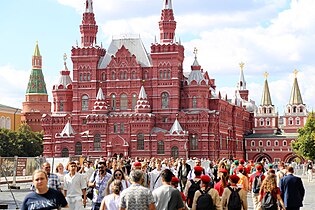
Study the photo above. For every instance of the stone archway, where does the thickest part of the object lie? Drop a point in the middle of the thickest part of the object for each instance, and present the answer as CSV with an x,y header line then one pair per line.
x,y
293,157
261,156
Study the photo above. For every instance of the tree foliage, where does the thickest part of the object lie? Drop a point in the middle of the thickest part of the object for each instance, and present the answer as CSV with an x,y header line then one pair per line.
x,y
305,143
23,143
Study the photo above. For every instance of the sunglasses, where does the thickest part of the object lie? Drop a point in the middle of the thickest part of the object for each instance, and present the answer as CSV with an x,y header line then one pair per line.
x,y
101,167
118,174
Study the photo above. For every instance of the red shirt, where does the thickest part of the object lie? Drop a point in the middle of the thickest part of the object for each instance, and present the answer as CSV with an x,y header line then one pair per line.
x,y
219,188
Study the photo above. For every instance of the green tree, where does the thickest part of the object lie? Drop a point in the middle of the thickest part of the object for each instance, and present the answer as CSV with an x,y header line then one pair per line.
x,y
305,143
23,143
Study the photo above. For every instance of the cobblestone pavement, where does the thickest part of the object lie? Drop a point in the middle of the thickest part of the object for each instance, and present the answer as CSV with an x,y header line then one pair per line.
x,y
7,198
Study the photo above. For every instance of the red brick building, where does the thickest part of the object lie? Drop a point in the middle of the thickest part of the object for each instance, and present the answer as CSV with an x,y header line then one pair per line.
x,y
128,102
273,134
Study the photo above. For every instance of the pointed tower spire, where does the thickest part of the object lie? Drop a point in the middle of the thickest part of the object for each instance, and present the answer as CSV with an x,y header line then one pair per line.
x,y
88,28
89,6
36,82
167,23
176,128
241,85
296,97
167,4
266,99
100,95
143,105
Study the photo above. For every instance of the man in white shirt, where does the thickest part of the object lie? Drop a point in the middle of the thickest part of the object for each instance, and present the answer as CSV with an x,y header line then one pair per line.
x,y
74,188
155,176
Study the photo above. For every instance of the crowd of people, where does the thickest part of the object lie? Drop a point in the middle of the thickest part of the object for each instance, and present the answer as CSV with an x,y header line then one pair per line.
x,y
166,184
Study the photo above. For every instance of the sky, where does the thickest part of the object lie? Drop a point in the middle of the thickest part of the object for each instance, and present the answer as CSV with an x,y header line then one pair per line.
x,y
274,36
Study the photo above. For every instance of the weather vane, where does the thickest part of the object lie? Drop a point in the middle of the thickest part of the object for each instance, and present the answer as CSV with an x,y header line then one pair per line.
x,y
195,52
295,72
242,65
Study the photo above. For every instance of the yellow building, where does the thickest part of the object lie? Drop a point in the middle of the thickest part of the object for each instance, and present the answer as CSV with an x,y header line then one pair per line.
x,y
10,117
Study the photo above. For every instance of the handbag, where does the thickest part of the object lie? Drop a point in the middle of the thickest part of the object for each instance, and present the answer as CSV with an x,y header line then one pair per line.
x,y
89,191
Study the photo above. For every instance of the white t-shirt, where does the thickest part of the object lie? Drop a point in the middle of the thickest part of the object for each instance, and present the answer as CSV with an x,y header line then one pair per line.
x,y
74,184
112,201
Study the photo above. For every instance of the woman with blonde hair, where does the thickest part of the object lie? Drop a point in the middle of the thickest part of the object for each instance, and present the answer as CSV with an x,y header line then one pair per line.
x,y
269,194
111,201
60,172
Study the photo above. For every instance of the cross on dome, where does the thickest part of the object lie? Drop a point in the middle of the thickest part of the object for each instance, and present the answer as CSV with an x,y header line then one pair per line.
x,y
195,52
242,65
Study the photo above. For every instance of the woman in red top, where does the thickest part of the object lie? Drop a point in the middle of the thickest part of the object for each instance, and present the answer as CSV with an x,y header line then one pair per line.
x,y
270,185
224,176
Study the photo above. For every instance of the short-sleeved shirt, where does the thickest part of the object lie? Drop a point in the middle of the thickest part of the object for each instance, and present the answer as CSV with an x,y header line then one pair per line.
x,y
136,197
74,185
167,197
99,189
54,181
52,199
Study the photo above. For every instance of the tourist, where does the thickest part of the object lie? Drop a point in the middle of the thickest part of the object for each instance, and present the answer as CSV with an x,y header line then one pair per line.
x,y
136,196
60,172
111,201
183,171
292,190
43,197
166,196
75,187
255,182
99,183
118,174
53,180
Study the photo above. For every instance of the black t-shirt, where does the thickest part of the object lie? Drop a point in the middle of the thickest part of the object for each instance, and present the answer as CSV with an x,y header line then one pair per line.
x,y
52,199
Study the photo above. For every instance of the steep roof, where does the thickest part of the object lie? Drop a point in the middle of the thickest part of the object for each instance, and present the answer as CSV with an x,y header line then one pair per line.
x,y
266,99
67,130
133,44
296,97
177,128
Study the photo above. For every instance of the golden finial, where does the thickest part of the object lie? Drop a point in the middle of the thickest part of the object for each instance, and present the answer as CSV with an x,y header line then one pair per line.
x,y
143,81
242,65
266,75
195,52
295,72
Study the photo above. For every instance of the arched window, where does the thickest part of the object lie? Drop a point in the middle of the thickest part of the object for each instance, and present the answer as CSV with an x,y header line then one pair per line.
x,y
175,152
193,142
297,121
114,102
134,75
113,75
276,143
194,102
165,76
284,143
80,77
88,77
85,103
268,122
78,148
140,141
84,77
65,152
123,102
121,75
134,101
145,75
268,143
8,123
103,76
261,121
260,143
294,109
2,122
61,105
161,74
252,143
122,128
165,100
97,142
125,75
290,121
160,149
115,128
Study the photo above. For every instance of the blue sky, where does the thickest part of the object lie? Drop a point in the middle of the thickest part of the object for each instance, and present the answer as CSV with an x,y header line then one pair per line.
x,y
267,35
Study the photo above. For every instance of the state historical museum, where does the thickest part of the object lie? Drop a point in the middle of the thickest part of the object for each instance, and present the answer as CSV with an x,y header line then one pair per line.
x,y
125,101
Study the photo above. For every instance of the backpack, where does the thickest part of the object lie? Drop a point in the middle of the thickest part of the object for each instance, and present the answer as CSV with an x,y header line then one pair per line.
x,y
269,202
204,201
191,192
235,202
257,183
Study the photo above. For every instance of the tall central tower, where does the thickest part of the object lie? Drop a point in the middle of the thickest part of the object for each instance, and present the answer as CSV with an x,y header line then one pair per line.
x,y
36,98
